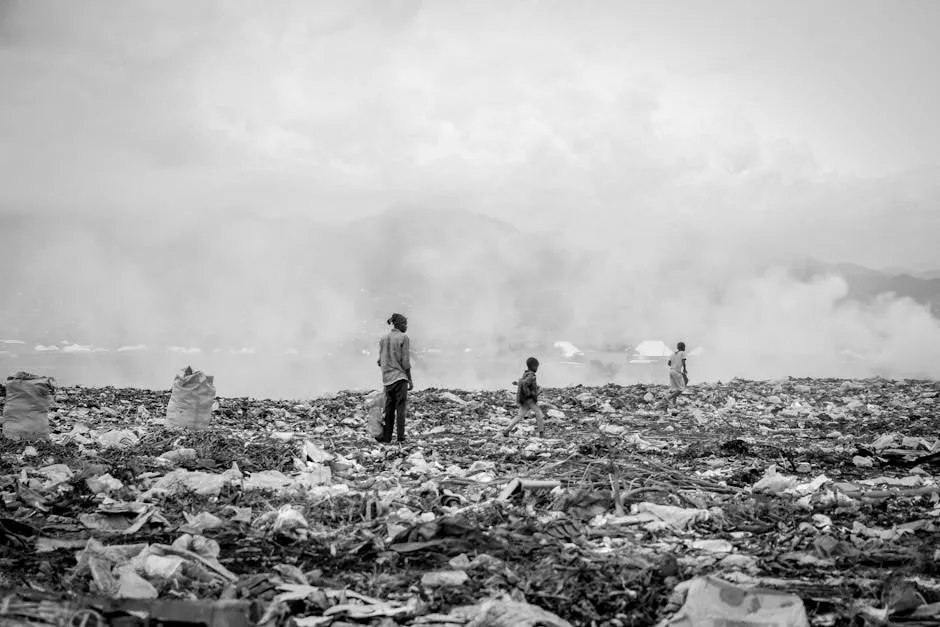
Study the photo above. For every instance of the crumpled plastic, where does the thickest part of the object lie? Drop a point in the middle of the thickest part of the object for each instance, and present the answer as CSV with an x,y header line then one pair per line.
x,y
676,517
123,438
710,602
55,474
126,571
655,516
202,483
774,483
286,521
502,612
200,522
266,480
444,578
103,484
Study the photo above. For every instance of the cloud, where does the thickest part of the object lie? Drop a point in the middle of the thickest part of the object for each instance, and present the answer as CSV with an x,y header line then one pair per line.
x,y
682,161
172,108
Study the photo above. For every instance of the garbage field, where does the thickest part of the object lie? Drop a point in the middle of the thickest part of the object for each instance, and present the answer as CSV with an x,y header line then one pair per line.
x,y
790,502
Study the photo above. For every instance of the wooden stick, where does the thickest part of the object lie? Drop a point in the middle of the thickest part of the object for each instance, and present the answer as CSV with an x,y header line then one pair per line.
x,y
636,491
615,488
539,484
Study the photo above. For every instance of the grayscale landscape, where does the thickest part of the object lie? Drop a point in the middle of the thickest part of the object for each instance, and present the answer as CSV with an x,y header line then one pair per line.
x,y
251,191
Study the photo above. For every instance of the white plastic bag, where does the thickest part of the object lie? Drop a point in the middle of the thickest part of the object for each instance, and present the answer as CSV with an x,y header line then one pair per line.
x,y
710,601
502,612
118,438
376,407
191,400
26,410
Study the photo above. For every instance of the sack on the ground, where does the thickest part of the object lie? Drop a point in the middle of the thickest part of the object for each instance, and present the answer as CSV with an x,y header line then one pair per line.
x,y
710,601
375,405
191,400
26,410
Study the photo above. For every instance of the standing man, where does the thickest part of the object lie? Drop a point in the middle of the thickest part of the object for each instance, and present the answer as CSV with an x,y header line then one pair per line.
x,y
395,362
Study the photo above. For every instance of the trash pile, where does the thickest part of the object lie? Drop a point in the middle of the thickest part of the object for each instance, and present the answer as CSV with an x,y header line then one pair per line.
x,y
792,502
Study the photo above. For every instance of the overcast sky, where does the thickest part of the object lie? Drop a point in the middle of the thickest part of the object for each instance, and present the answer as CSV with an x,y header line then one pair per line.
x,y
720,113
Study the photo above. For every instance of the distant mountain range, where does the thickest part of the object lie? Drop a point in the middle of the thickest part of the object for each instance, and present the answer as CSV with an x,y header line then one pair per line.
x,y
918,274
865,283
119,280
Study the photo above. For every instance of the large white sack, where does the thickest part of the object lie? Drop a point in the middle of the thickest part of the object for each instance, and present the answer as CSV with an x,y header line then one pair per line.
x,y
191,400
376,406
26,407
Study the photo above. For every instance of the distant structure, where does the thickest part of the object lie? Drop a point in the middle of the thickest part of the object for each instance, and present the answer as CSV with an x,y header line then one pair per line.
x,y
649,350
568,349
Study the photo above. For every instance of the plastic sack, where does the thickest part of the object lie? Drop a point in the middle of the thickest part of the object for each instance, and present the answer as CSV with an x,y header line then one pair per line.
x,y
26,411
375,404
191,400
711,602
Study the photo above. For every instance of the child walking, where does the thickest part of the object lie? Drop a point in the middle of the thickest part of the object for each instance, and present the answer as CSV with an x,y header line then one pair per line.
x,y
678,375
527,396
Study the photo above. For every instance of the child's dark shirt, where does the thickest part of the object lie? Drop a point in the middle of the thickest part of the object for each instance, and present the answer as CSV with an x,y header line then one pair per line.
x,y
528,388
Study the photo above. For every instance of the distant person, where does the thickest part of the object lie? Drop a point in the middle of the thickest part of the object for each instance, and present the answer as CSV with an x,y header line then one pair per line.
x,y
527,395
678,374
395,362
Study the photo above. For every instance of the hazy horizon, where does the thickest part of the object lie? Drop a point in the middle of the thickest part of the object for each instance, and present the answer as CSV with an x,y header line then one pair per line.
x,y
654,160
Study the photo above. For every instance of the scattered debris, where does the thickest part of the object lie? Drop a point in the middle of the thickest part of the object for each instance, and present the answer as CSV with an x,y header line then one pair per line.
x,y
782,503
